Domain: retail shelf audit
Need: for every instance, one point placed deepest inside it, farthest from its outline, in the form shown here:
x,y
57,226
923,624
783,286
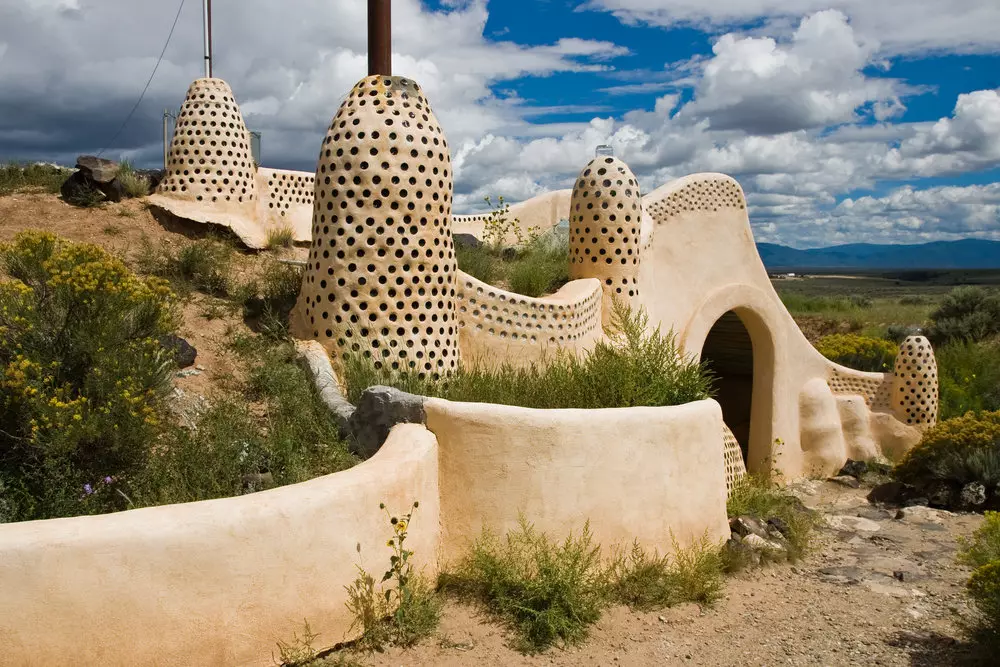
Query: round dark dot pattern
x,y
875,388
490,311
604,228
209,158
380,279
288,189
915,385
706,193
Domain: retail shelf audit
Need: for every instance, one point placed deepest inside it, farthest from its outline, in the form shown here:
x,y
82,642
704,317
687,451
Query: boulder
x,y
97,169
79,189
890,492
378,410
466,241
113,190
763,544
846,480
747,525
973,495
853,469
778,524
184,353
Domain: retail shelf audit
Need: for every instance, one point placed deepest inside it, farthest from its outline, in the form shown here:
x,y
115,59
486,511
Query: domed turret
x,y
380,279
604,230
915,383
210,159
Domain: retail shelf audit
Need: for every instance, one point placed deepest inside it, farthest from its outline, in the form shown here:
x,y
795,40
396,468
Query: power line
x,y
143,93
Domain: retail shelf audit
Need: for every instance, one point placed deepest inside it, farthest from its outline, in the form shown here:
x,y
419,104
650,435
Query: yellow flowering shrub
x,y
861,353
82,372
961,450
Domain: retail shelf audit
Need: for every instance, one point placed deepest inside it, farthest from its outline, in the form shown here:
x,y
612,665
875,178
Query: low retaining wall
x,y
220,582
635,473
217,582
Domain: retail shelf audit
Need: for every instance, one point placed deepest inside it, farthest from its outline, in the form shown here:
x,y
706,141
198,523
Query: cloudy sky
x,y
844,120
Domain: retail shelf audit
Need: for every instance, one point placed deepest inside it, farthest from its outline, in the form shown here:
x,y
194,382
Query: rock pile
x,y
98,177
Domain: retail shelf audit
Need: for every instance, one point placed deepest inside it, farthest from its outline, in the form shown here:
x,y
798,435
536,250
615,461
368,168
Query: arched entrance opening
x,y
728,352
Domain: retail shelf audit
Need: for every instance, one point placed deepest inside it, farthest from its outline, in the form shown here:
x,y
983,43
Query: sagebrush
x,y
636,366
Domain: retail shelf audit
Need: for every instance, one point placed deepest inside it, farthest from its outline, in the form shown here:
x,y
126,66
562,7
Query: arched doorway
x,y
728,352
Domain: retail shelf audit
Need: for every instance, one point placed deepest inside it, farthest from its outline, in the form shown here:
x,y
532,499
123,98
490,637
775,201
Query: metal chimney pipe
x,y
379,37
207,18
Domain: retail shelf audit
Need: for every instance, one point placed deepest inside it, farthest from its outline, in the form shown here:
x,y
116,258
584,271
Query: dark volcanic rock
x,y
378,410
97,169
184,353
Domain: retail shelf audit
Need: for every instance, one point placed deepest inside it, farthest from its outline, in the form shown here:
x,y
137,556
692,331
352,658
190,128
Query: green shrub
x,y
646,582
635,367
968,377
479,262
402,608
84,375
759,497
537,268
984,589
966,313
83,195
984,546
134,185
859,352
270,296
546,592
499,227
959,450
540,269
46,178
234,451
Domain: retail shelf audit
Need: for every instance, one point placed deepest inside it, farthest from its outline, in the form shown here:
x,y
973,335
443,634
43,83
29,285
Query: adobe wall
x,y
701,263
636,473
211,583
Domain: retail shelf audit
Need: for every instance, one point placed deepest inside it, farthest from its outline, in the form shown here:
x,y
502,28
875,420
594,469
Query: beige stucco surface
x,y
635,473
540,213
214,583
497,326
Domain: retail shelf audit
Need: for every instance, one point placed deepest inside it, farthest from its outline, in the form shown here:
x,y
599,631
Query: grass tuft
x,y
280,237
133,184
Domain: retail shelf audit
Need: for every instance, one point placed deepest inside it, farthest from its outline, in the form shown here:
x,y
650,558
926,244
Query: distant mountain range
x,y
963,254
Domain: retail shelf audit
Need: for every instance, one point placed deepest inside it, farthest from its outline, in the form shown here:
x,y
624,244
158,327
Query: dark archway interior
x,y
728,351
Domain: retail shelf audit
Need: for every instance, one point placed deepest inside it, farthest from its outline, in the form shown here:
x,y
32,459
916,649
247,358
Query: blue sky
x,y
841,121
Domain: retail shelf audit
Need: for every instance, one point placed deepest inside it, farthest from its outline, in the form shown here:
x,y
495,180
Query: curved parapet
x,y
605,230
497,326
380,278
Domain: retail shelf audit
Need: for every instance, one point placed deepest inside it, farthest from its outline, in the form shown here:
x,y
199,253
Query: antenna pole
x,y
207,16
379,37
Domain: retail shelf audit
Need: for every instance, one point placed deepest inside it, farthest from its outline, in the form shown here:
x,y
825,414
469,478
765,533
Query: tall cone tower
x,y
604,230
210,160
380,278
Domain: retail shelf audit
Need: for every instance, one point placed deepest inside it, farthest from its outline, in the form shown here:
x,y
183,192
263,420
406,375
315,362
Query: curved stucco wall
x,y
808,413
217,582
497,326
636,473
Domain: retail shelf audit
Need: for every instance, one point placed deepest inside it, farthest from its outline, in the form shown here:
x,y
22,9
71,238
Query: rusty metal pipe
x,y
379,37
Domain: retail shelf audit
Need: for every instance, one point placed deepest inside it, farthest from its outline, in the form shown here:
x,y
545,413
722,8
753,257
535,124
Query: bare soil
x,y
843,605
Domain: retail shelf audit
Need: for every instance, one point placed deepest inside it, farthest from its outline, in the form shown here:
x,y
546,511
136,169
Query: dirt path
x,y
876,591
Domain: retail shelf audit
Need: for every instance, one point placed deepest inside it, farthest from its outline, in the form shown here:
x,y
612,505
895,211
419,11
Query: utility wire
x,y
143,93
